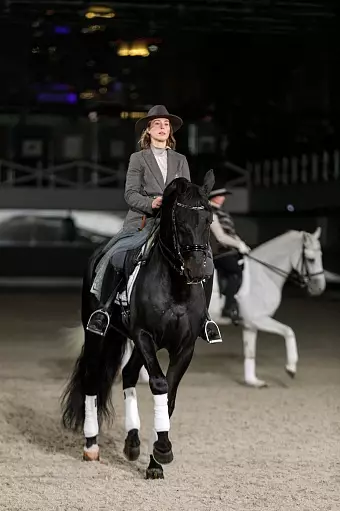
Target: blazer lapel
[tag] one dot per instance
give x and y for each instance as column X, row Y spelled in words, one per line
column 172, row 167
column 153, row 166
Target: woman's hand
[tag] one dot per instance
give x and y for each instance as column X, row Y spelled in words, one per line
column 157, row 202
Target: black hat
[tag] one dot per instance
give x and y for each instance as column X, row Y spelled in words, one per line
column 156, row 112
column 219, row 191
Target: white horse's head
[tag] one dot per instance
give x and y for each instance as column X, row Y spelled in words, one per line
column 309, row 264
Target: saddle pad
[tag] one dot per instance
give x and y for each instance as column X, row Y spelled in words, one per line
column 125, row 296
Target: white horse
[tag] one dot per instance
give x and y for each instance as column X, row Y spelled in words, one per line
column 266, row 269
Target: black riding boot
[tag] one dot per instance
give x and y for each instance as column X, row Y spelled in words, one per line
column 231, row 311
column 100, row 319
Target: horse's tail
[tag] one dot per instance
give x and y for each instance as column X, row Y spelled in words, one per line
column 109, row 363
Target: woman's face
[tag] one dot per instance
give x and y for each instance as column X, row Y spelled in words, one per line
column 159, row 130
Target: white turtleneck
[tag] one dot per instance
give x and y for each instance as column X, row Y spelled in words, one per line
column 161, row 155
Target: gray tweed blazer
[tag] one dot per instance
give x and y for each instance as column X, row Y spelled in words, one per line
column 144, row 182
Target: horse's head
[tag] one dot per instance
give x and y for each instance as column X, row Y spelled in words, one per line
column 309, row 265
column 185, row 226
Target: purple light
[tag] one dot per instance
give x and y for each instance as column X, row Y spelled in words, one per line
column 62, row 30
column 71, row 97
column 49, row 97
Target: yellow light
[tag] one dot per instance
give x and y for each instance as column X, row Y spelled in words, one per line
column 105, row 79
column 132, row 115
column 103, row 90
column 123, row 50
column 87, row 95
column 98, row 11
column 138, row 49
column 101, row 9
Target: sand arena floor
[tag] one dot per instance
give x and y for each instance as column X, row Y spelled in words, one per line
column 235, row 448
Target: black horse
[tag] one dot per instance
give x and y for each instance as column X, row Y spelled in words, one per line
column 167, row 310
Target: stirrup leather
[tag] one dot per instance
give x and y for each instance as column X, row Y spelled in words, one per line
column 209, row 321
column 90, row 329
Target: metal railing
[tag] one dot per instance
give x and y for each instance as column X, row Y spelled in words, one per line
column 305, row 169
column 77, row 174
column 241, row 177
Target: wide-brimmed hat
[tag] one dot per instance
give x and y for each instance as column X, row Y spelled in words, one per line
column 156, row 112
column 218, row 192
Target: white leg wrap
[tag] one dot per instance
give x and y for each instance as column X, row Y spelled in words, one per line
column 161, row 414
column 291, row 349
column 132, row 420
column 91, row 420
column 249, row 369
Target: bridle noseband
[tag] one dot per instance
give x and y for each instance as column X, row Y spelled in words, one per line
column 174, row 258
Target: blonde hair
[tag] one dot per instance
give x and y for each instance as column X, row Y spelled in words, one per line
column 145, row 139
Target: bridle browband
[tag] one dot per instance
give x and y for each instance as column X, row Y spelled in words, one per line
column 174, row 258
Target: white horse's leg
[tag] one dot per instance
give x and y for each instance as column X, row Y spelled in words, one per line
column 249, row 347
column 273, row 326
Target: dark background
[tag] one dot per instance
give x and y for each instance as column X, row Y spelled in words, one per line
column 256, row 82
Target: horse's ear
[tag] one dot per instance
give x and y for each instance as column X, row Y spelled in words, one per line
column 209, row 181
column 181, row 185
column 317, row 233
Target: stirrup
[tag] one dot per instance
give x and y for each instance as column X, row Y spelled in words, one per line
column 212, row 341
column 94, row 330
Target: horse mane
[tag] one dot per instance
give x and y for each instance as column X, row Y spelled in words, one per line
column 278, row 241
column 187, row 192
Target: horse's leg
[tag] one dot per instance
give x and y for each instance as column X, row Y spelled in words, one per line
column 132, row 421
column 249, row 348
column 92, row 348
column 162, row 448
column 273, row 326
column 178, row 365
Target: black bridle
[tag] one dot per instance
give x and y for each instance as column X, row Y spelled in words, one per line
column 176, row 259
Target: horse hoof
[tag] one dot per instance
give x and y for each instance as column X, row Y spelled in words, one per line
column 131, row 453
column 132, row 445
column 291, row 369
column 163, row 458
column 91, row 453
column 154, row 473
column 257, row 384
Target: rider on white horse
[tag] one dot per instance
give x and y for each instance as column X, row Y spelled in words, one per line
column 227, row 262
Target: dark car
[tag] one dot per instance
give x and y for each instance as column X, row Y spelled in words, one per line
column 41, row 250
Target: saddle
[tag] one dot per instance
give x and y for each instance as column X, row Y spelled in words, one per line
column 134, row 259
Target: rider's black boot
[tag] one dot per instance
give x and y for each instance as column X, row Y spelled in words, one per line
column 100, row 319
column 231, row 311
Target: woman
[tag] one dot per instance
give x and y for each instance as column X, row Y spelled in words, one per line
column 150, row 171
